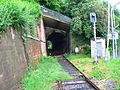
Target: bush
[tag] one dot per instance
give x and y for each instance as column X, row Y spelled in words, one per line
column 85, row 49
column 20, row 14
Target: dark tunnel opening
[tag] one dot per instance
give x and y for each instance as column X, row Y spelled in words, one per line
column 56, row 43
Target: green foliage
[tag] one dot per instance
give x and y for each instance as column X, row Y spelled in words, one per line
column 79, row 40
column 57, row 5
column 86, row 49
column 82, row 29
column 117, row 22
column 81, row 19
column 75, row 56
column 20, row 14
column 105, row 4
column 49, row 45
column 97, row 73
column 47, row 72
column 118, row 42
column 117, row 88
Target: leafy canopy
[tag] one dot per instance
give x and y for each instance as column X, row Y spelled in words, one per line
column 81, row 19
column 57, row 5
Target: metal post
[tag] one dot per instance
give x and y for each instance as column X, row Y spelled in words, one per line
column 107, row 56
column 112, row 25
column 116, row 47
column 95, row 50
column 113, row 35
column 114, row 32
column 93, row 20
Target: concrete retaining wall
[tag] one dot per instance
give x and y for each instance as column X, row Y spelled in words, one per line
column 14, row 57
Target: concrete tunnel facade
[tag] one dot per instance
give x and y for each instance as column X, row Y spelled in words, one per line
column 57, row 32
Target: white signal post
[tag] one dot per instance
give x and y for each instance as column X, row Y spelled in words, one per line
column 93, row 20
column 95, row 61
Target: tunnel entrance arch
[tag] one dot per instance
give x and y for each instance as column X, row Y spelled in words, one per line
column 57, row 32
column 56, row 43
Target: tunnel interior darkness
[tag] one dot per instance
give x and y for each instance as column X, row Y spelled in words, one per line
column 58, row 43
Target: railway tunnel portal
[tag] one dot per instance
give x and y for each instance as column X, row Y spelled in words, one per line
column 57, row 32
column 57, row 43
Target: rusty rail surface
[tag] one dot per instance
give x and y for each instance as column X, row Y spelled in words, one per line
column 85, row 78
column 60, row 85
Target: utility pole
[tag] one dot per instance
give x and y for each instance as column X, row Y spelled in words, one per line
column 115, row 26
column 113, row 33
column 115, row 47
column 107, row 57
column 95, row 46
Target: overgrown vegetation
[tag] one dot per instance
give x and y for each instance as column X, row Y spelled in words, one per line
column 102, row 70
column 43, row 75
column 20, row 14
column 82, row 29
column 56, row 5
column 79, row 10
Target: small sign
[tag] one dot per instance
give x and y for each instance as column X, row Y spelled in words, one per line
column 93, row 17
column 111, row 35
column 116, row 35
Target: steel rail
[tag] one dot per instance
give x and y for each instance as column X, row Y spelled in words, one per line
column 60, row 85
column 86, row 79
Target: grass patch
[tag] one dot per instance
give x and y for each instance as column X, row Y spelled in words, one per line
column 76, row 56
column 45, row 73
column 102, row 70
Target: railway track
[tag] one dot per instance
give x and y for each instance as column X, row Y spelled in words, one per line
column 79, row 81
